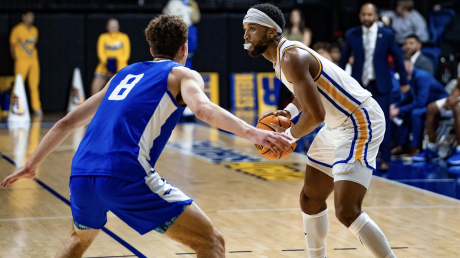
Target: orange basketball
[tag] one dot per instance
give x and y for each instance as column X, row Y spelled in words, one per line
column 264, row 124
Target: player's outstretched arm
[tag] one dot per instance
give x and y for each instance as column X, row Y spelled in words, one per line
column 63, row 128
column 192, row 92
column 296, row 67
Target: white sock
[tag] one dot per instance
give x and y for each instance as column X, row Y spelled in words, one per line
column 316, row 228
column 432, row 146
column 457, row 148
column 371, row 237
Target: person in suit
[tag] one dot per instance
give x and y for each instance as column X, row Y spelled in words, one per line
column 412, row 46
column 424, row 89
column 371, row 46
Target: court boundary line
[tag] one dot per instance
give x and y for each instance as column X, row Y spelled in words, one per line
column 62, row 198
column 332, row 209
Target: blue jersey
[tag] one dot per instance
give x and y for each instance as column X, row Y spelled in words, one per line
column 132, row 124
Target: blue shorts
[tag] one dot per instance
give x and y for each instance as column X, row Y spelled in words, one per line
column 145, row 205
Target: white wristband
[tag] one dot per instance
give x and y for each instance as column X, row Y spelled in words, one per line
column 288, row 133
column 292, row 109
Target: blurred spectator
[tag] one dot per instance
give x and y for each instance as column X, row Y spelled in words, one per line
column 297, row 31
column 335, row 53
column 412, row 47
column 443, row 108
column 371, row 45
column 424, row 89
column 324, row 49
column 190, row 13
column 23, row 40
column 406, row 21
column 349, row 65
column 113, row 51
column 451, row 35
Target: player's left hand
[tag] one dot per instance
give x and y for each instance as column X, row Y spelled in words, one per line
column 23, row 172
column 278, row 128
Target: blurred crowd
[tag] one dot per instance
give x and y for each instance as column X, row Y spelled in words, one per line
column 410, row 67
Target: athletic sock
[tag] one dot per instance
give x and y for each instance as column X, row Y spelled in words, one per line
column 316, row 228
column 371, row 237
column 432, row 146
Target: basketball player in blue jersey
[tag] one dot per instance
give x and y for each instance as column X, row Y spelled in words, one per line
column 131, row 121
column 342, row 156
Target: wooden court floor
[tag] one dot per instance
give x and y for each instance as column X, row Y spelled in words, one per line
column 258, row 216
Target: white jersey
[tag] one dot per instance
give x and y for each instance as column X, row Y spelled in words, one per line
column 341, row 95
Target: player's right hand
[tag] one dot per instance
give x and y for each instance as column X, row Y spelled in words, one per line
column 276, row 142
column 278, row 113
column 23, row 172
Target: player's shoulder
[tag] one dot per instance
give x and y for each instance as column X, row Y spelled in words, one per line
column 124, row 35
column 17, row 27
column 296, row 57
column 104, row 35
column 182, row 72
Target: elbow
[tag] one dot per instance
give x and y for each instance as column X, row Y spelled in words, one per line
column 201, row 112
column 319, row 117
column 64, row 124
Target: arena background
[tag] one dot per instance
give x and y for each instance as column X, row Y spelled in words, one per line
column 68, row 32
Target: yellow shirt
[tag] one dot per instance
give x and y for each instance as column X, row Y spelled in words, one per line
column 24, row 41
column 114, row 45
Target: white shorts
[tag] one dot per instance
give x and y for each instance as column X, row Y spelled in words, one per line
column 336, row 151
column 444, row 112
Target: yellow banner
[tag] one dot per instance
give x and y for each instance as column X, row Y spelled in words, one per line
column 243, row 91
column 211, row 86
column 268, row 88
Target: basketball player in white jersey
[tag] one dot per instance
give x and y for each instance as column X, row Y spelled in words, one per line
column 131, row 120
column 342, row 156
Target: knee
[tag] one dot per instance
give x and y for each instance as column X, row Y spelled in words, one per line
column 217, row 242
column 311, row 204
column 432, row 109
column 213, row 242
column 456, row 110
column 347, row 214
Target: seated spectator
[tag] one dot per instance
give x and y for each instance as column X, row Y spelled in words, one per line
column 298, row 31
column 443, row 108
column 406, row 21
column 324, row 49
column 424, row 89
column 336, row 53
column 412, row 47
column 450, row 43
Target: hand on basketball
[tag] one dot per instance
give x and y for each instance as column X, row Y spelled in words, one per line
column 277, row 113
column 23, row 172
column 276, row 142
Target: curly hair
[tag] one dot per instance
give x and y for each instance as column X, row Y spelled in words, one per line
column 273, row 12
column 166, row 34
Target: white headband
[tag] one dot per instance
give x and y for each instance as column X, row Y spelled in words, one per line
column 258, row 17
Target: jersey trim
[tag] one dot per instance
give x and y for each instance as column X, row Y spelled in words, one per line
column 318, row 162
column 320, row 71
column 278, row 58
column 332, row 101
column 336, row 96
column 341, row 89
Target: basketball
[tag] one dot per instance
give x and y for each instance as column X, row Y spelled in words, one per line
column 264, row 124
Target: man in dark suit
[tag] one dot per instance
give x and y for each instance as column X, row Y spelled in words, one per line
column 411, row 110
column 371, row 46
column 412, row 47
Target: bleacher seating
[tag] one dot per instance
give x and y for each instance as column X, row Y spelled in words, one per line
column 438, row 21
